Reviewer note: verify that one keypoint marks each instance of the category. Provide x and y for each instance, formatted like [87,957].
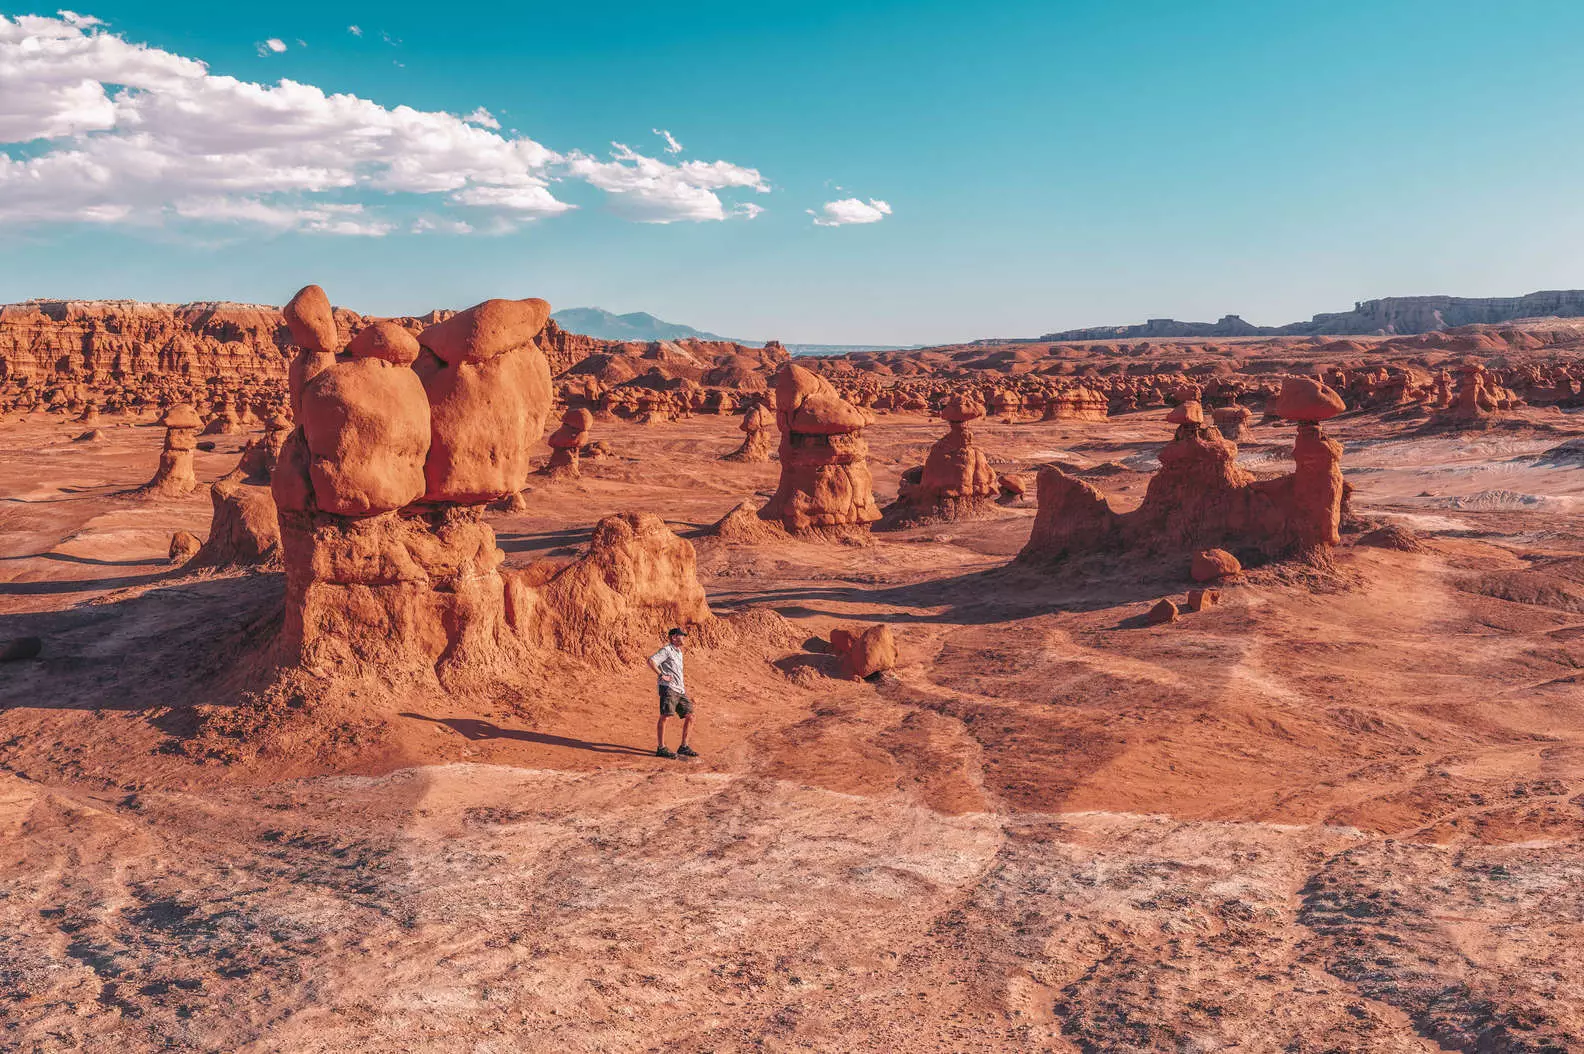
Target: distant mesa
[1389,316]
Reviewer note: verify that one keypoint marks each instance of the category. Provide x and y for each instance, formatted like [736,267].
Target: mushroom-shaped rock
[311,320]
[1307,399]
[756,424]
[1210,565]
[366,426]
[384,340]
[1186,413]
[182,415]
[566,441]
[862,654]
[959,409]
[825,481]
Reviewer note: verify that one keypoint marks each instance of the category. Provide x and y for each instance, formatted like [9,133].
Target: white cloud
[672,146]
[424,224]
[356,31]
[272,46]
[850,210]
[653,191]
[118,132]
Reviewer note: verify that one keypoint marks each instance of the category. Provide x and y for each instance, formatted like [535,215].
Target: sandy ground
[1342,811]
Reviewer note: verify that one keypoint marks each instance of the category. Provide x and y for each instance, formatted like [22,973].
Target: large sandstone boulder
[489,393]
[366,423]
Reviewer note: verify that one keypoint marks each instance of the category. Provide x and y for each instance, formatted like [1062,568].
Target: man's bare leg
[687,726]
[660,733]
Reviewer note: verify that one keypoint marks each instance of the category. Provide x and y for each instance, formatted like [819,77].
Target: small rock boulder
[861,654]
[1212,565]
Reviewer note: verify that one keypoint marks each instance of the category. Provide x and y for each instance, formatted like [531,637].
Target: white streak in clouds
[272,46]
[672,146]
[848,211]
[355,31]
[96,129]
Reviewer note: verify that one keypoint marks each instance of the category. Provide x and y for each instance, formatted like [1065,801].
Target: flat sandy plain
[1342,811]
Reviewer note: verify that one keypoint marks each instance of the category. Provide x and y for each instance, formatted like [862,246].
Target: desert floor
[1341,811]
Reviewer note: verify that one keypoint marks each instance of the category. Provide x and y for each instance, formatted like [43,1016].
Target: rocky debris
[1201,599]
[184,546]
[861,654]
[956,481]
[757,421]
[566,442]
[825,485]
[1211,565]
[1202,499]
[175,477]
[1164,611]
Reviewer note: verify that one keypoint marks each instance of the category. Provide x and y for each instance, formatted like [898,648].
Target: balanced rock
[565,443]
[757,421]
[175,476]
[956,481]
[825,483]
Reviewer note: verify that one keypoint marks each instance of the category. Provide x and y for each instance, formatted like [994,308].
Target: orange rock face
[367,426]
[488,399]
[757,422]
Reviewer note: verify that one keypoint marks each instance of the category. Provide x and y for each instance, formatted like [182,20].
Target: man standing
[667,665]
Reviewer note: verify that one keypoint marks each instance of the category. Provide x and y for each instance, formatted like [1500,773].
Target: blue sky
[1045,165]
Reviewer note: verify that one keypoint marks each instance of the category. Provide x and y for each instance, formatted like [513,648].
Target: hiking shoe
[662,752]
[685,751]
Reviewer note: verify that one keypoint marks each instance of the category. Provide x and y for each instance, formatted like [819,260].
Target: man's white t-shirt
[669,659]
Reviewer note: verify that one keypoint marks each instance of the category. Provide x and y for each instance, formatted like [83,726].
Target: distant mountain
[637,325]
[1389,316]
[640,325]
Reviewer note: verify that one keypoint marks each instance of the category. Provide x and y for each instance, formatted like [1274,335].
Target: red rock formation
[956,481]
[391,571]
[174,477]
[757,421]
[1201,499]
[565,443]
[864,653]
[825,484]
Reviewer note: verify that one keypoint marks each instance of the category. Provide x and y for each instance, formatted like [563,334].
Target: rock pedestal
[175,477]
[757,421]
[956,481]
[825,484]
[565,443]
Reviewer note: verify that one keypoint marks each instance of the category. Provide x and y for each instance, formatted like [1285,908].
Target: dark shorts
[674,704]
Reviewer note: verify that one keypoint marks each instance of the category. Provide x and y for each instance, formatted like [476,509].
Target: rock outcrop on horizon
[1388,316]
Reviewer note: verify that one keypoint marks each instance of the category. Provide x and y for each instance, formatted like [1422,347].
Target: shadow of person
[474,729]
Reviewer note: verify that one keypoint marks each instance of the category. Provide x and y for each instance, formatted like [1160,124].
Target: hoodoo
[390,567]
[825,483]
[757,421]
[566,442]
[1201,498]
[175,477]
[956,481]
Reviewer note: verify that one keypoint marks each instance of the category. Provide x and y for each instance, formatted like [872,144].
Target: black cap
[676,631]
